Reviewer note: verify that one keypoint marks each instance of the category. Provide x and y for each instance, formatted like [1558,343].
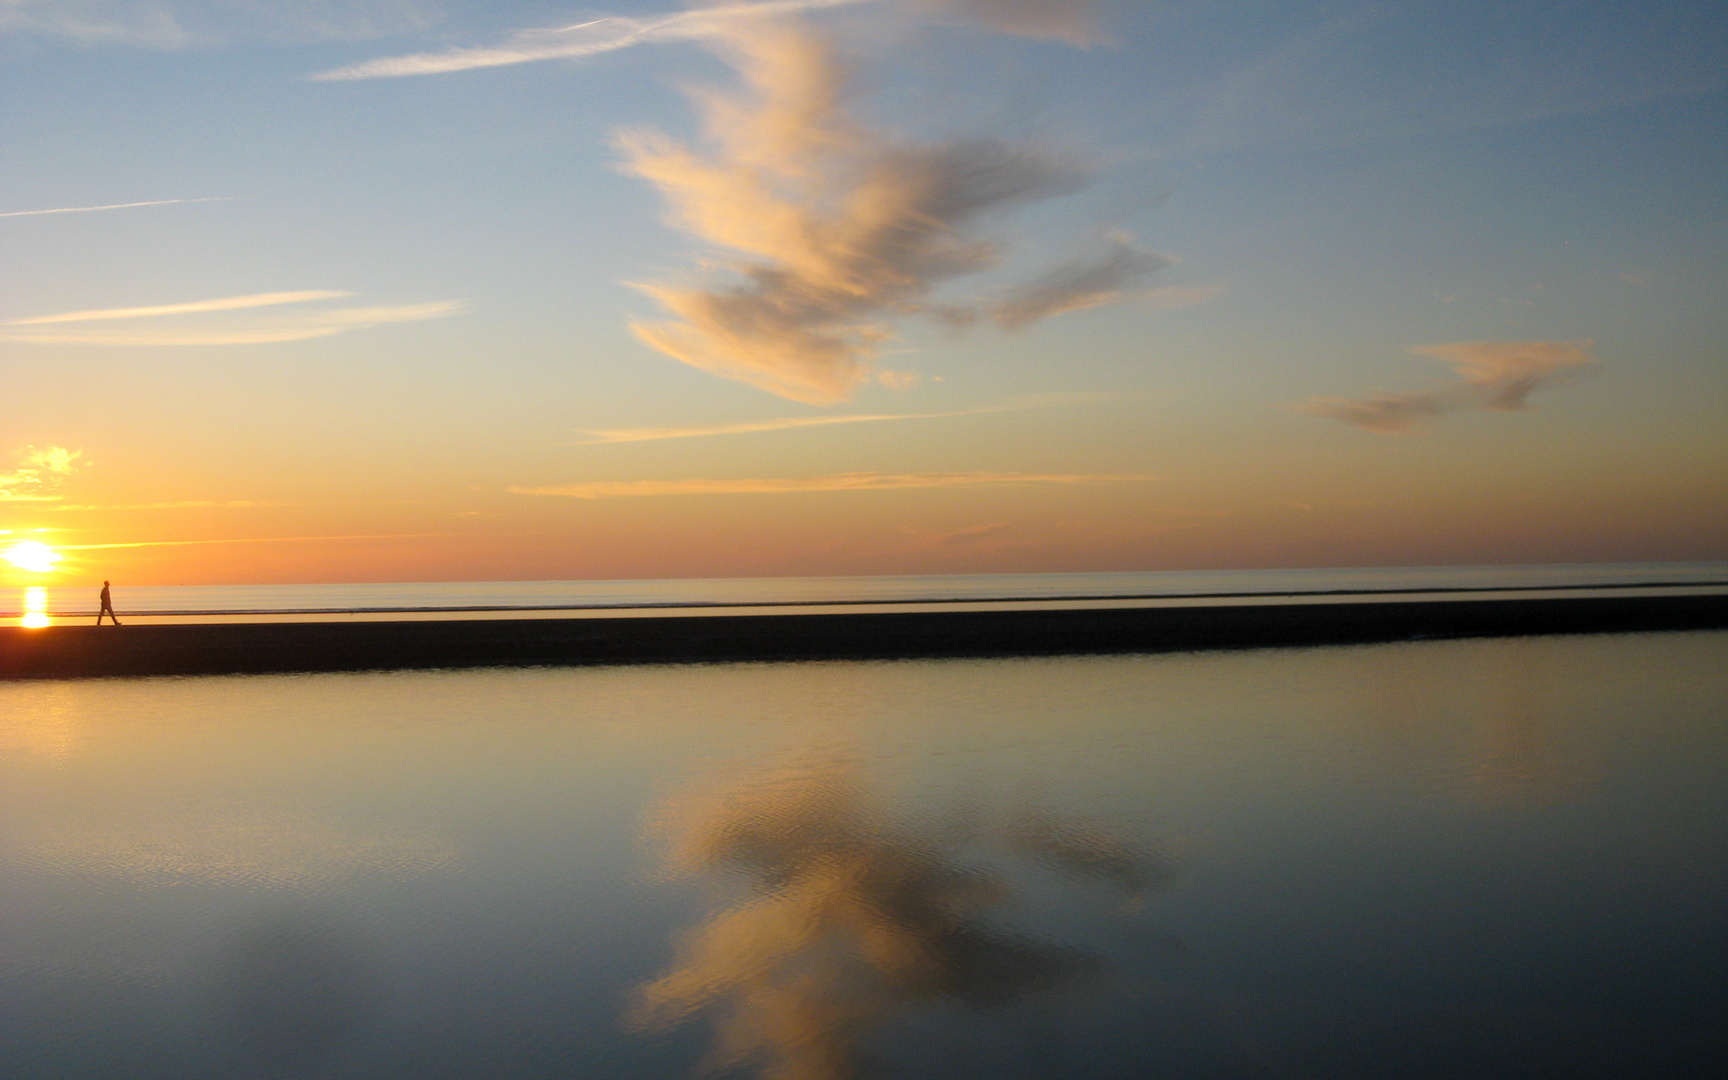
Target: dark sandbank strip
[231,648]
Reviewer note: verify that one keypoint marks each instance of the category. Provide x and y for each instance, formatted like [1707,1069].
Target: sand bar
[232,648]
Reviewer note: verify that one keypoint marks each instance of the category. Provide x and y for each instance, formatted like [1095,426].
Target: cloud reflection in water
[851,920]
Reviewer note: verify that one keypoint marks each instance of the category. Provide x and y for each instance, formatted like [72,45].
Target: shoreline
[260,648]
[1296,595]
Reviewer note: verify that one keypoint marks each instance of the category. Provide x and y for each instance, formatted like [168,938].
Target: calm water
[43,605]
[1481,858]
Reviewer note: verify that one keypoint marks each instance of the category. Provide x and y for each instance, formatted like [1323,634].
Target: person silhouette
[107,606]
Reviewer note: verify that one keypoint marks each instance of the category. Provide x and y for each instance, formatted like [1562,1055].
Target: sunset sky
[309,291]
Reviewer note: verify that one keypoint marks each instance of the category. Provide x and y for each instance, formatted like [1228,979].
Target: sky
[396,290]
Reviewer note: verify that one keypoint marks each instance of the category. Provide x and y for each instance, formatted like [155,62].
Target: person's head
[104,584]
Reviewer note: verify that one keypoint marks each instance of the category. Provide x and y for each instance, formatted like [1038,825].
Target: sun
[31,555]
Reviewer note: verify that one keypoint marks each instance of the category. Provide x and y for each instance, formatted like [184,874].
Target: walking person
[107,606]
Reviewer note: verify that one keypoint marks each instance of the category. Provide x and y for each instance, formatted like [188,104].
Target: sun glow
[35,606]
[31,555]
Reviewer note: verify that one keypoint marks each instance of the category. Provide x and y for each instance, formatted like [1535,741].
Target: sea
[47,605]
[1431,859]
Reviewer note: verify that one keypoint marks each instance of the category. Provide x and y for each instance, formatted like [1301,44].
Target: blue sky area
[400,306]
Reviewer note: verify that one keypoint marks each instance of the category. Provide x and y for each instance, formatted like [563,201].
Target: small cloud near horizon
[251,540]
[607,436]
[859,481]
[191,504]
[964,537]
[1498,376]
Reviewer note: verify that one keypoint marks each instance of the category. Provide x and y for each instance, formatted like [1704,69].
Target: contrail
[621,489]
[111,206]
[606,34]
[602,436]
[227,303]
[246,540]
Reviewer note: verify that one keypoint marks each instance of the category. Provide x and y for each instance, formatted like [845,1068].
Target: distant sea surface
[520,599]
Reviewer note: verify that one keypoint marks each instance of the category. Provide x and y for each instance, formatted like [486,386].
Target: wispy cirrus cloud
[169,25]
[858,481]
[1494,375]
[608,33]
[1073,21]
[1065,20]
[1335,81]
[110,206]
[969,536]
[249,540]
[603,436]
[189,504]
[222,331]
[1087,282]
[38,473]
[231,303]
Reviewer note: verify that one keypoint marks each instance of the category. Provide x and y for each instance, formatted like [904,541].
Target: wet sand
[234,648]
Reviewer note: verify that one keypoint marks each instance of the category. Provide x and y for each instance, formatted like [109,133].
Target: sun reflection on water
[35,606]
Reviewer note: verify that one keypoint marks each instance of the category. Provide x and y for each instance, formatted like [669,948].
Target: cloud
[1087,282]
[111,206]
[1073,21]
[607,33]
[1176,297]
[972,534]
[193,504]
[1065,20]
[232,303]
[860,481]
[245,331]
[38,473]
[1505,372]
[1497,375]
[1361,72]
[838,229]
[247,540]
[626,435]
[1388,414]
[603,436]
[169,25]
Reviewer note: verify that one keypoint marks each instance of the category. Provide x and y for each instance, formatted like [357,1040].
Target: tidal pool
[1483,858]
